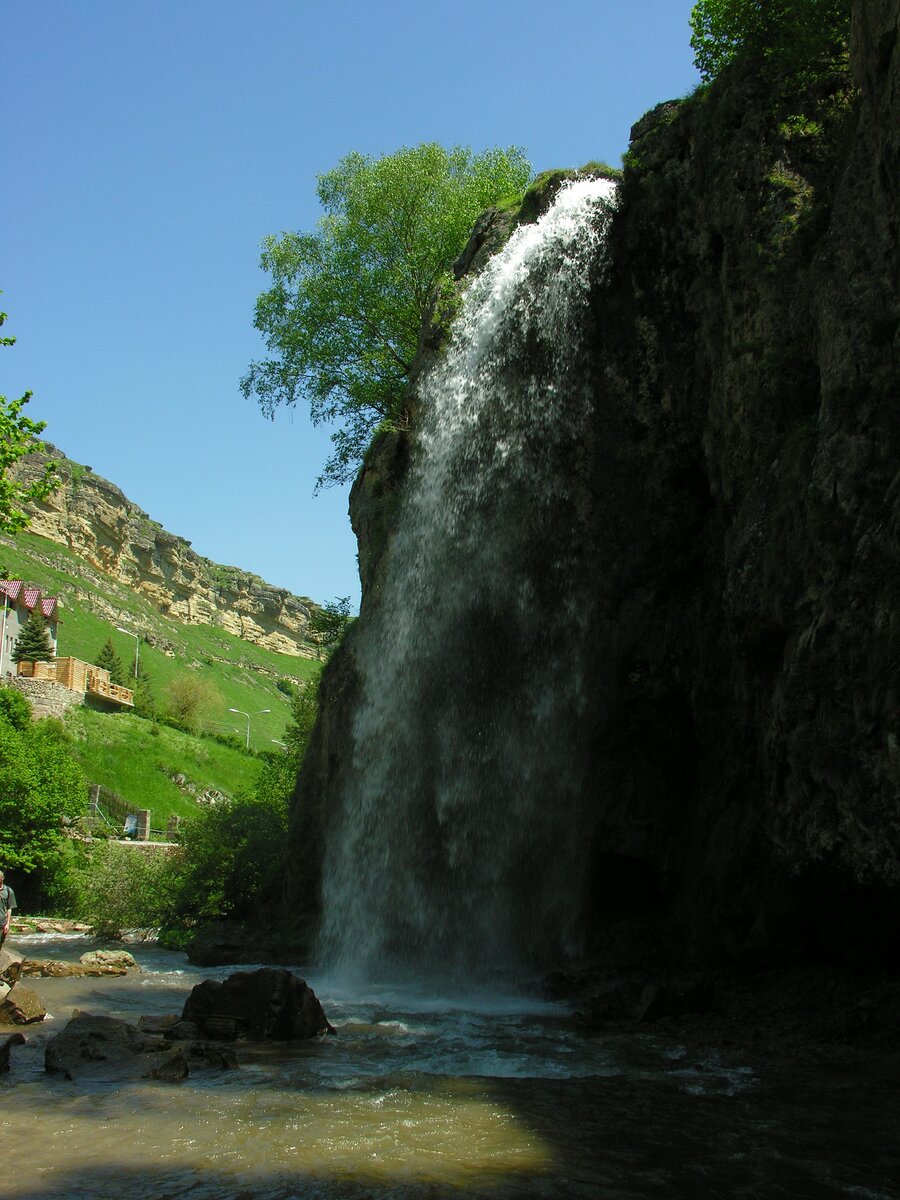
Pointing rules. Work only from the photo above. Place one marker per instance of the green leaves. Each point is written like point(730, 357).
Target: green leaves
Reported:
point(40, 786)
point(799, 36)
point(343, 314)
point(17, 438)
point(33, 644)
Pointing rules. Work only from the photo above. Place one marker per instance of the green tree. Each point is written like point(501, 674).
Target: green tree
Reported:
point(109, 661)
point(144, 700)
point(33, 644)
point(190, 698)
point(232, 852)
point(327, 624)
point(41, 789)
point(343, 314)
point(17, 438)
point(229, 853)
point(279, 774)
point(801, 36)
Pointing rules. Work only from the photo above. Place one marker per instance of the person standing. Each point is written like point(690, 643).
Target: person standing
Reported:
point(7, 904)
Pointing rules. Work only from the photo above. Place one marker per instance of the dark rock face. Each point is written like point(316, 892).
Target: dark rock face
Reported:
point(742, 477)
point(6, 1045)
point(88, 1040)
point(270, 1003)
point(747, 508)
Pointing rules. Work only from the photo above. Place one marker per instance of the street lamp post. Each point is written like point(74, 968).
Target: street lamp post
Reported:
point(258, 713)
point(137, 647)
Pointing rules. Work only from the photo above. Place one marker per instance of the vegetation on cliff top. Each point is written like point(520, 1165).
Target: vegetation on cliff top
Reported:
point(343, 314)
point(801, 36)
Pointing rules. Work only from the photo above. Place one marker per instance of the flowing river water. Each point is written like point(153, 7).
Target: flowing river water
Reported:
point(420, 1095)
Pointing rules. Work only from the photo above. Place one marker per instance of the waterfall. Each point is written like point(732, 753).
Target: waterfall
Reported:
point(458, 841)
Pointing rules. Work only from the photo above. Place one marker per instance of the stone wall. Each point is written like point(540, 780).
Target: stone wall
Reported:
point(47, 699)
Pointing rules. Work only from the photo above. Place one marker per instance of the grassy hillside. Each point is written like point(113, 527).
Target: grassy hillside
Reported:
point(93, 605)
point(139, 760)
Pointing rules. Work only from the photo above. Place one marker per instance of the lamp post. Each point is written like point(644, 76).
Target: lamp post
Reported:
point(258, 713)
point(137, 647)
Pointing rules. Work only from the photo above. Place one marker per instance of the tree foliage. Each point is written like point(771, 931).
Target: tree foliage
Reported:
point(17, 438)
point(109, 661)
point(33, 644)
point(801, 35)
point(327, 624)
point(342, 317)
point(41, 787)
point(115, 887)
point(231, 852)
point(189, 700)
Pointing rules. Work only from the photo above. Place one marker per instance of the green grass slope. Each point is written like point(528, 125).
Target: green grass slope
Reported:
point(245, 675)
point(139, 760)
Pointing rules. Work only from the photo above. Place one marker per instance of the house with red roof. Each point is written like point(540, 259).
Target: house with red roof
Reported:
point(19, 602)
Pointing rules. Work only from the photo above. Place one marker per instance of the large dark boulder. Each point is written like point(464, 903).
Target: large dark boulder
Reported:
point(88, 1040)
point(15, 1039)
point(268, 1003)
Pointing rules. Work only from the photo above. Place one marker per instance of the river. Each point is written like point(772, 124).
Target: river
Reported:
point(423, 1095)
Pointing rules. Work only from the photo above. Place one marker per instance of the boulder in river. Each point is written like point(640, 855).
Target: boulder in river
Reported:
point(178, 1062)
point(110, 958)
point(54, 968)
point(21, 1006)
point(88, 1040)
point(14, 1039)
point(10, 965)
point(675, 998)
point(271, 1003)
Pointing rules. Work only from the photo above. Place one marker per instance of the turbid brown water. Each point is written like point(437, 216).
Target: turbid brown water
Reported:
point(424, 1095)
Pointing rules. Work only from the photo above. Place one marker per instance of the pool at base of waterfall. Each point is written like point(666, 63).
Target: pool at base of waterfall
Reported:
point(433, 1093)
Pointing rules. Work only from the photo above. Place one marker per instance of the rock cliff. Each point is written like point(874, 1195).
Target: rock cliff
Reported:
point(93, 518)
point(746, 509)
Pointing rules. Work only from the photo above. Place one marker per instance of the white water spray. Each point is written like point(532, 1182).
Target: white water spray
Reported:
point(458, 845)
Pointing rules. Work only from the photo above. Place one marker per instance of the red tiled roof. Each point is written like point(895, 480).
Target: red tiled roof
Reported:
point(30, 597)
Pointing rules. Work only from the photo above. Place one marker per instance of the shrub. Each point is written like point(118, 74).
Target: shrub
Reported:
point(41, 790)
point(14, 709)
point(189, 699)
point(116, 887)
point(228, 854)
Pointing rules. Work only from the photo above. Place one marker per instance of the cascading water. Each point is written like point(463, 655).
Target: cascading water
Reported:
point(458, 844)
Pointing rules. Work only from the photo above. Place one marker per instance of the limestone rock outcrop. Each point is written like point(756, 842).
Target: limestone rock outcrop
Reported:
point(96, 520)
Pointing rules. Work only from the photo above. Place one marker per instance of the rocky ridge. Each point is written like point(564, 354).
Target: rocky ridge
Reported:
point(94, 519)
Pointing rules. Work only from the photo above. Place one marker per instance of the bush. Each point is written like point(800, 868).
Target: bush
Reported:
point(189, 700)
point(800, 36)
point(229, 853)
point(116, 887)
point(42, 789)
point(14, 709)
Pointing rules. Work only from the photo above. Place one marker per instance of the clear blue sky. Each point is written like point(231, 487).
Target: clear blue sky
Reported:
point(146, 150)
